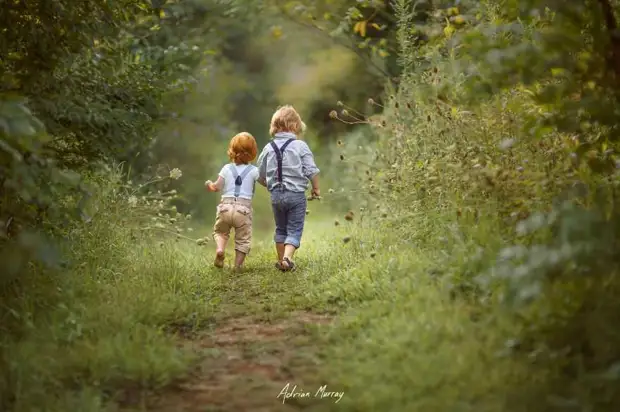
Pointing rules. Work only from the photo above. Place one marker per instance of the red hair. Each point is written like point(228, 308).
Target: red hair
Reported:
point(242, 148)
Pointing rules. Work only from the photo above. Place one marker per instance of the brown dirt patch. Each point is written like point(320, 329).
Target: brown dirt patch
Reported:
point(253, 362)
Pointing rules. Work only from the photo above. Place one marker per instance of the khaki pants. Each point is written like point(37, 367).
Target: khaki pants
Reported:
point(234, 213)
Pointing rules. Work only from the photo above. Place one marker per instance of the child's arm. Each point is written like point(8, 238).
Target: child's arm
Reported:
point(215, 187)
point(262, 168)
point(309, 168)
point(316, 191)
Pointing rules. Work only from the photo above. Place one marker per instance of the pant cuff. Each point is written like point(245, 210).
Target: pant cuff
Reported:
point(292, 241)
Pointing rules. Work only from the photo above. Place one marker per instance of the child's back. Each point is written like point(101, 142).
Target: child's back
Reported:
point(286, 167)
point(237, 181)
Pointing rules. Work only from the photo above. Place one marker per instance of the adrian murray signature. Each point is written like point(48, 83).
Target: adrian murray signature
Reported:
point(287, 393)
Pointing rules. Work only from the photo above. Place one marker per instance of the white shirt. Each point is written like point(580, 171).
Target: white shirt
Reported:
point(247, 185)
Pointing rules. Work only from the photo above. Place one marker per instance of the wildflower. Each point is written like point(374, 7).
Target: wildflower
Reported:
point(506, 144)
point(339, 103)
point(330, 191)
point(333, 114)
point(133, 201)
point(195, 48)
point(175, 173)
point(188, 217)
point(345, 112)
point(371, 101)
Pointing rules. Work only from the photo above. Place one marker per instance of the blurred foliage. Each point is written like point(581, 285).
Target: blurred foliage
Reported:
point(153, 86)
point(498, 156)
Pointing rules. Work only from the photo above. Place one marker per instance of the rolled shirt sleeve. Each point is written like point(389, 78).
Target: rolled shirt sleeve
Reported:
point(262, 164)
point(309, 168)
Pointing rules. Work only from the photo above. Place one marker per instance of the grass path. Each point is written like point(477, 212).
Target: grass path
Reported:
point(261, 336)
point(149, 327)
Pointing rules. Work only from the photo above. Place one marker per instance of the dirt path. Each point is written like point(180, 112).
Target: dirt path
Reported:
point(246, 363)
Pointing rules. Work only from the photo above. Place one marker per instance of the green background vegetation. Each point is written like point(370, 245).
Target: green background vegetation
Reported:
point(474, 141)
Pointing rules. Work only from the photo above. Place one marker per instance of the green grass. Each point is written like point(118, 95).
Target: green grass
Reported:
point(116, 324)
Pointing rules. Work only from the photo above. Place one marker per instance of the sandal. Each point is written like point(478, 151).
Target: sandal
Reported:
point(289, 263)
point(219, 260)
point(279, 266)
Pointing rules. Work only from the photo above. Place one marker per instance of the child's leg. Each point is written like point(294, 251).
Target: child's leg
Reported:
point(295, 225)
point(243, 233)
point(221, 233)
point(239, 258)
point(280, 218)
point(280, 251)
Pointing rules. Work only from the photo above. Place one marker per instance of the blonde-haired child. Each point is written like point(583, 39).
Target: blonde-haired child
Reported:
point(237, 181)
point(286, 166)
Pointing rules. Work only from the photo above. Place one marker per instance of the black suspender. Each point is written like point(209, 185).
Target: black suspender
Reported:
point(279, 153)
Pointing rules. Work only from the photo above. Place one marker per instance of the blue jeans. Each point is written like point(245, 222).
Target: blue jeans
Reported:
point(289, 212)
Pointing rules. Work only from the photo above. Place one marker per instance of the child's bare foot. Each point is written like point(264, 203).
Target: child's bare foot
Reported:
point(219, 259)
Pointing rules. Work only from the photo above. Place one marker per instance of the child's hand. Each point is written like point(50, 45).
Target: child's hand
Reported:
point(209, 185)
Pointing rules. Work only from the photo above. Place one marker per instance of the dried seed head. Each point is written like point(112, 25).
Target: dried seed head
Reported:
point(339, 103)
point(333, 114)
point(339, 142)
point(345, 112)
point(371, 101)
point(383, 123)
